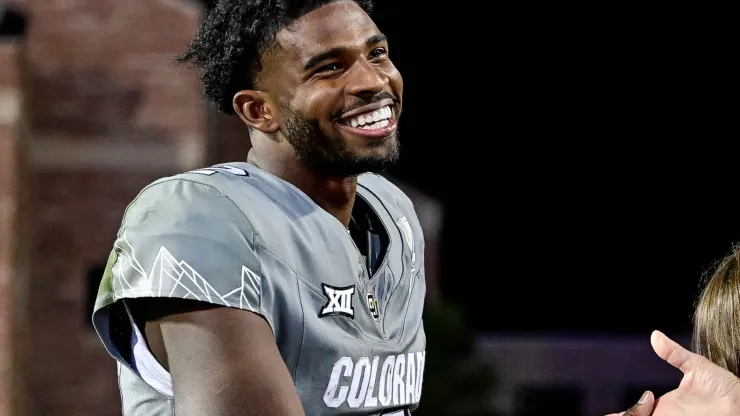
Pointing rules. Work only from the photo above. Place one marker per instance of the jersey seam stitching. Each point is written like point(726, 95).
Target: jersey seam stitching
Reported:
point(258, 242)
point(403, 265)
point(303, 333)
point(298, 280)
point(403, 249)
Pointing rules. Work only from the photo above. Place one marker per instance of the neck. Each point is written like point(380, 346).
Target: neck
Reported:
point(334, 194)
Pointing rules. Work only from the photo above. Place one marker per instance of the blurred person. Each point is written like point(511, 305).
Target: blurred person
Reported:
point(711, 383)
point(292, 283)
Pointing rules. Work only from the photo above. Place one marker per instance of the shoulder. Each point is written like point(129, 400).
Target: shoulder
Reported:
point(388, 192)
point(212, 182)
point(188, 236)
point(231, 190)
point(398, 205)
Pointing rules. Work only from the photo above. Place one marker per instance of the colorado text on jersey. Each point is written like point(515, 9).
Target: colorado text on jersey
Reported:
point(367, 383)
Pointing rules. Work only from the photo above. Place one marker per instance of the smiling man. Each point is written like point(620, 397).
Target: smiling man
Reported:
point(292, 283)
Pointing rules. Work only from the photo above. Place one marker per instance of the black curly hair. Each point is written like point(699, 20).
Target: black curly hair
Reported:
point(232, 38)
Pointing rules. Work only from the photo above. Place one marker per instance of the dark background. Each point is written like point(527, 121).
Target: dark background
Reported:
point(585, 154)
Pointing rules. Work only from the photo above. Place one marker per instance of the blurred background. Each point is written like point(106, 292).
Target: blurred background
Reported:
point(574, 165)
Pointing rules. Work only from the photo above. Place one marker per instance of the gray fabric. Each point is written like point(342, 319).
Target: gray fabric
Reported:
point(240, 237)
point(138, 398)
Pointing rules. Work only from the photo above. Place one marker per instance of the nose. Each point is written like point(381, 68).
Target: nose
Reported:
point(365, 80)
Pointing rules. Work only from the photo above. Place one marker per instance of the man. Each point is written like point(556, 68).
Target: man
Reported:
point(292, 284)
point(706, 388)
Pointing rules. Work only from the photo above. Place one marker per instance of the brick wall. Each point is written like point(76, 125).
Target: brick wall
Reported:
point(77, 214)
point(13, 275)
point(103, 69)
point(110, 112)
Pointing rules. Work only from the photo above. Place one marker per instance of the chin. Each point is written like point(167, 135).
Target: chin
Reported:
point(379, 149)
point(352, 155)
point(375, 160)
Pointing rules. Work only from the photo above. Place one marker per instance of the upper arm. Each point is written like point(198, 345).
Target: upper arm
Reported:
point(186, 264)
point(224, 361)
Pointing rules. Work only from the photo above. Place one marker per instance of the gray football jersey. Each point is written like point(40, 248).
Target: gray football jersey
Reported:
point(237, 236)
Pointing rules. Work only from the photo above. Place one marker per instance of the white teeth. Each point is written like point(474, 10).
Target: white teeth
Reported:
point(379, 125)
point(376, 119)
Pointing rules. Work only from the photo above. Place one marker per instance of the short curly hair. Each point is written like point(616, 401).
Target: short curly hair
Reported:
point(232, 38)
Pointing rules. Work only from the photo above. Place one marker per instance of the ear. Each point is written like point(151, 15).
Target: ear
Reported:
point(256, 110)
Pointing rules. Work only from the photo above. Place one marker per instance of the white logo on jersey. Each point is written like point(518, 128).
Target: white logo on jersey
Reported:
point(367, 383)
point(224, 168)
point(339, 301)
point(169, 275)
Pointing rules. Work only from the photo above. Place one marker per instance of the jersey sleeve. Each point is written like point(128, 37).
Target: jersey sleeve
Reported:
point(181, 239)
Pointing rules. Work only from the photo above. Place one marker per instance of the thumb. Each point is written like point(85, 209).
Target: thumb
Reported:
point(673, 353)
point(644, 406)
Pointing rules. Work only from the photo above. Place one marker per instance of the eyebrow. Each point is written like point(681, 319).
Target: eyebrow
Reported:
point(334, 52)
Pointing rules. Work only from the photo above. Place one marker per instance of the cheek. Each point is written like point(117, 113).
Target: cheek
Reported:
point(396, 81)
point(320, 103)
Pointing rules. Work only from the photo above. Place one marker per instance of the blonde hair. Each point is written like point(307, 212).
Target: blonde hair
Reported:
point(717, 316)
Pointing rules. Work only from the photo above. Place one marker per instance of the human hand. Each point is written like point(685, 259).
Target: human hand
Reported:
point(706, 388)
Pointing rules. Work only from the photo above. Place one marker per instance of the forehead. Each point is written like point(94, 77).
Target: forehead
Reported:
point(338, 24)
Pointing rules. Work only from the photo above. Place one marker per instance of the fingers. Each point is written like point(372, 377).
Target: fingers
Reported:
point(644, 406)
point(673, 353)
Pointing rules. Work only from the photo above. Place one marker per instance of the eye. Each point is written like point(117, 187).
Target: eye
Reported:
point(329, 68)
point(378, 52)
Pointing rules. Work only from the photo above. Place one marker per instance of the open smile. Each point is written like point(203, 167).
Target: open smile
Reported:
point(370, 121)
